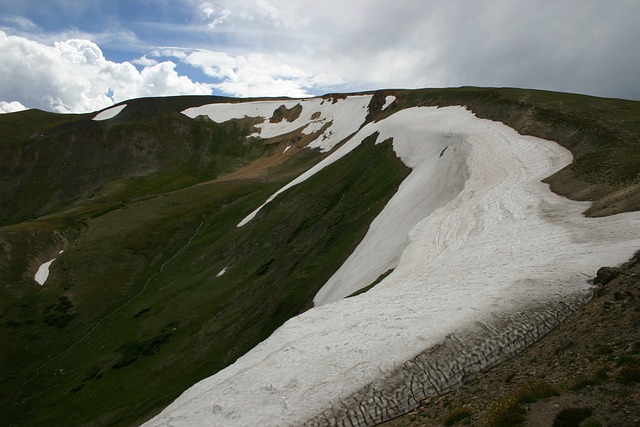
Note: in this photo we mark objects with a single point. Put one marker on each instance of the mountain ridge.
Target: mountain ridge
(480, 243)
(145, 195)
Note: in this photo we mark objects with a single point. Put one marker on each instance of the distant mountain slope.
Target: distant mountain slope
(158, 288)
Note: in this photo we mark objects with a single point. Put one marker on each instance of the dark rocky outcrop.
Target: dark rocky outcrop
(284, 113)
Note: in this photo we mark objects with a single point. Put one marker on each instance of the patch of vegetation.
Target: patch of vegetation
(629, 371)
(93, 373)
(571, 417)
(533, 392)
(141, 312)
(106, 210)
(509, 411)
(505, 413)
(22, 125)
(603, 349)
(375, 282)
(59, 315)
(510, 377)
(584, 383)
(134, 350)
(77, 388)
(264, 267)
(457, 415)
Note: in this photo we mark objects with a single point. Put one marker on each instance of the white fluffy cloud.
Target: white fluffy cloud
(11, 107)
(74, 76)
(252, 75)
(248, 75)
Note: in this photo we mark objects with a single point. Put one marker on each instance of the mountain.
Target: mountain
(165, 278)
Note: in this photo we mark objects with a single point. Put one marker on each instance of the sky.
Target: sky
(84, 55)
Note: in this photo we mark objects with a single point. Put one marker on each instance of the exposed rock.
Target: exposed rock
(282, 112)
(605, 275)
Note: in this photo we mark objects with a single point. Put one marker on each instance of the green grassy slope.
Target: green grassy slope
(134, 311)
(54, 162)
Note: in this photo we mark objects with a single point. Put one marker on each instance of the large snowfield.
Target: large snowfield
(474, 238)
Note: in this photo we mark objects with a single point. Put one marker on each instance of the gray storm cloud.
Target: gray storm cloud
(305, 47)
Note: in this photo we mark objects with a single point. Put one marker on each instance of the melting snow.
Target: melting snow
(488, 237)
(342, 117)
(43, 271)
(109, 113)
(388, 100)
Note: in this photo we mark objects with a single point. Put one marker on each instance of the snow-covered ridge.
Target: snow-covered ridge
(489, 261)
(335, 118)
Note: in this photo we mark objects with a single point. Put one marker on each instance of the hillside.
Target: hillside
(158, 287)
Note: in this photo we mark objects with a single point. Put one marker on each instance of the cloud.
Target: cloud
(585, 46)
(213, 14)
(11, 107)
(306, 47)
(247, 76)
(144, 61)
(236, 14)
(251, 75)
(261, 75)
(282, 16)
(19, 22)
(74, 76)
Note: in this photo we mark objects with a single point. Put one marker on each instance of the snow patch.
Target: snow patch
(388, 100)
(43, 271)
(331, 158)
(486, 245)
(224, 270)
(418, 139)
(342, 117)
(109, 113)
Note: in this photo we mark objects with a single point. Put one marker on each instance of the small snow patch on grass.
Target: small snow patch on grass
(388, 101)
(109, 113)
